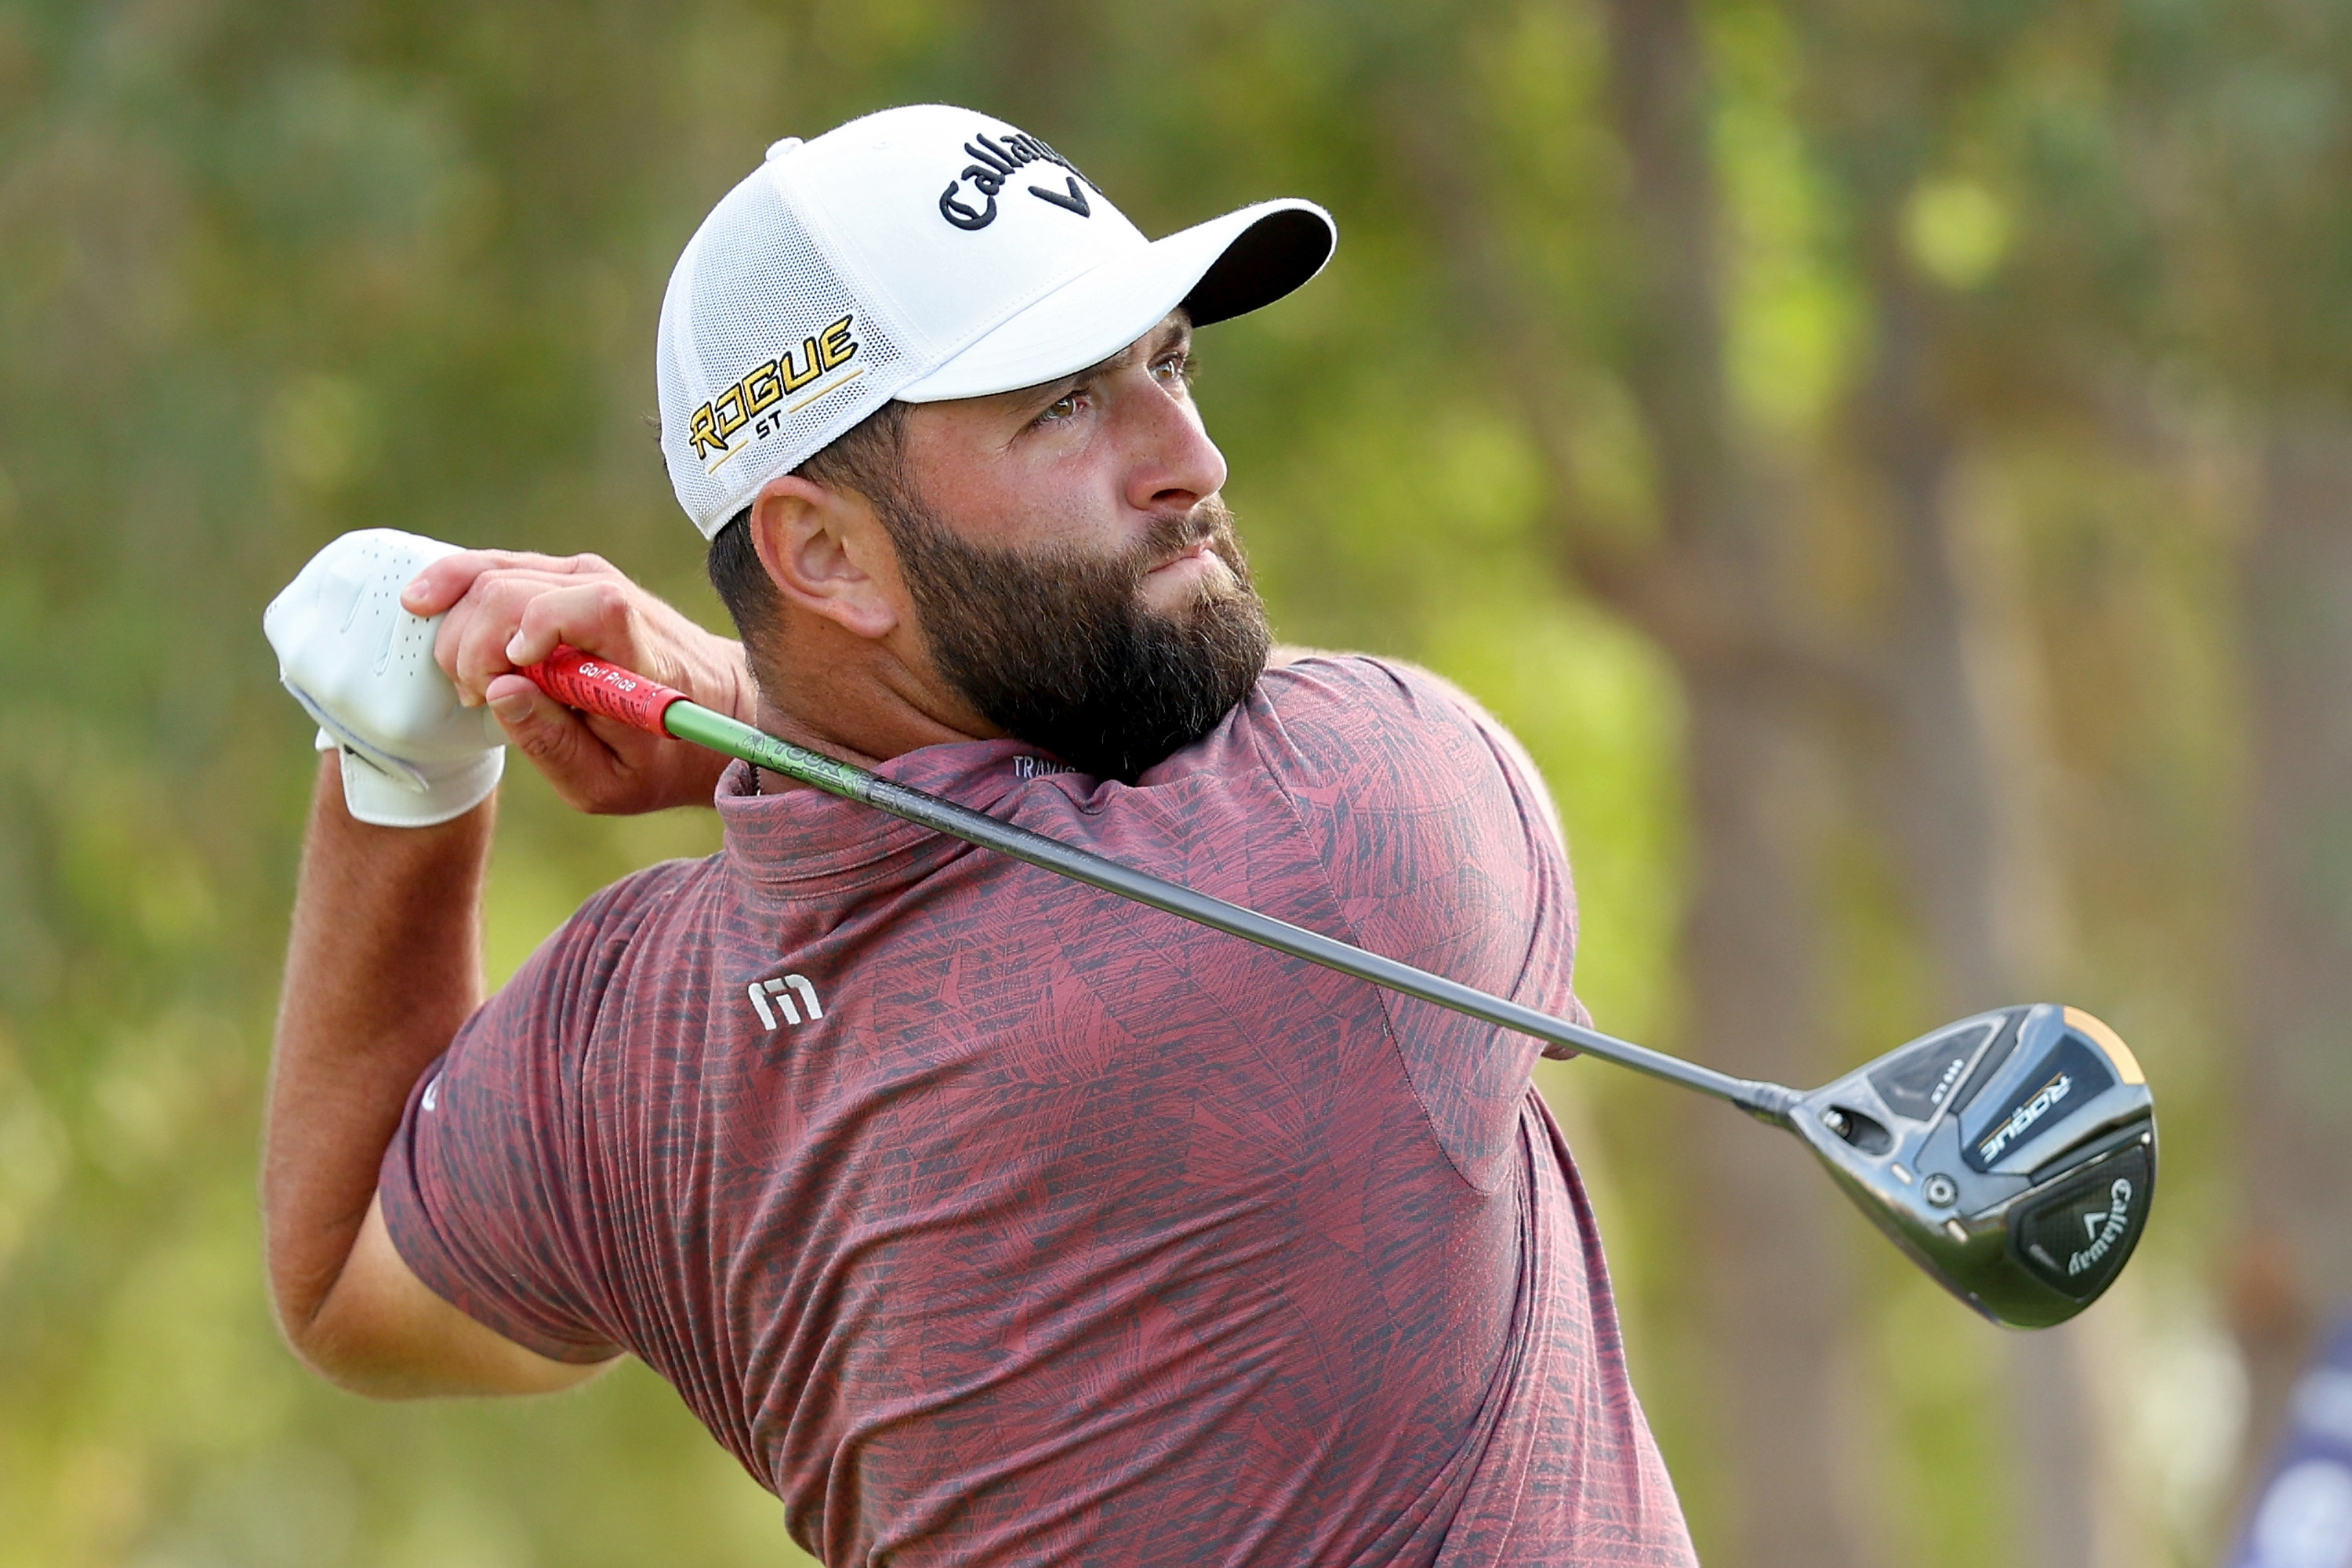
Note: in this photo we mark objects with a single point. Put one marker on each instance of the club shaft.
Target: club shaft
(690, 721)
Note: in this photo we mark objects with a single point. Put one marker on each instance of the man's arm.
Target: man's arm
(382, 968)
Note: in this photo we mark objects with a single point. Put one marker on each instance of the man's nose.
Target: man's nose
(1174, 465)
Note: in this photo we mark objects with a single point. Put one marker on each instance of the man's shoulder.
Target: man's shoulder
(1384, 729)
(1347, 710)
(1329, 674)
(617, 916)
(641, 893)
(1363, 691)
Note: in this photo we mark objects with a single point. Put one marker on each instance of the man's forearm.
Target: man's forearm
(383, 965)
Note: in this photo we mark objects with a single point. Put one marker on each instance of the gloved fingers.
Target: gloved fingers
(361, 665)
(319, 603)
(339, 629)
(380, 692)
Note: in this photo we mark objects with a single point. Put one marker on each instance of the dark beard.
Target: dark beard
(1055, 647)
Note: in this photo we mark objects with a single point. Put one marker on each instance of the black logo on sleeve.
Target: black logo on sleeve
(994, 165)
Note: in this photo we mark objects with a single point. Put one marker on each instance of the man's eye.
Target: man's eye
(1174, 369)
(1062, 408)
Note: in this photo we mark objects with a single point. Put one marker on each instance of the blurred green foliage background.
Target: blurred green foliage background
(1888, 459)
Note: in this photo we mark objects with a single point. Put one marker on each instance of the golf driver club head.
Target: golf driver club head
(2013, 1155)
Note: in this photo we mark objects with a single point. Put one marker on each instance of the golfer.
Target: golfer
(984, 1217)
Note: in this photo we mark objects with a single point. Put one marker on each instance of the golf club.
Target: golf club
(2011, 1154)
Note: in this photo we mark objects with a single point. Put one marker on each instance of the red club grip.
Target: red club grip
(577, 681)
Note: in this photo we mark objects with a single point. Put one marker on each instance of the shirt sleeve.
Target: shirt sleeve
(1443, 850)
(482, 1188)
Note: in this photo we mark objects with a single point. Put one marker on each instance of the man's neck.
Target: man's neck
(863, 721)
(858, 700)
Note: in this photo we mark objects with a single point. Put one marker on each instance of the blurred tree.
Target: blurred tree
(2242, 122)
(1705, 572)
(2293, 1258)
(1948, 745)
(1807, 309)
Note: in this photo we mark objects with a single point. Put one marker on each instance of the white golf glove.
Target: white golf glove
(363, 667)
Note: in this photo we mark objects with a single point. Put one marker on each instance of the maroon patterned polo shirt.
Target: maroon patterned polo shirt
(991, 1219)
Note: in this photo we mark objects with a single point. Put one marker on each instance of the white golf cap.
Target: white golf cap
(922, 253)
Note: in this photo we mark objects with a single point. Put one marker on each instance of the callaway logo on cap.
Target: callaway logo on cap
(923, 253)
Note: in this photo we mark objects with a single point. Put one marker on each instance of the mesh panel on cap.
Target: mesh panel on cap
(757, 371)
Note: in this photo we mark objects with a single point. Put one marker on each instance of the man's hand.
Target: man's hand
(412, 755)
(506, 609)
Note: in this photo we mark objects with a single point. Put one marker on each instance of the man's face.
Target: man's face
(1076, 577)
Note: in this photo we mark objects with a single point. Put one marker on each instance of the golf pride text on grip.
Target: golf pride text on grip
(578, 680)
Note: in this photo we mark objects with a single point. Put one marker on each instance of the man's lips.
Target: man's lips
(1197, 550)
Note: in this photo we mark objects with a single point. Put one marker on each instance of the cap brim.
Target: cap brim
(1225, 267)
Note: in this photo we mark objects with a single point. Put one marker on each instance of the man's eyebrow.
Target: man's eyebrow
(1167, 334)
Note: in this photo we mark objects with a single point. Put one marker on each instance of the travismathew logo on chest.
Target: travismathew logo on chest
(995, 162)
(781, 990)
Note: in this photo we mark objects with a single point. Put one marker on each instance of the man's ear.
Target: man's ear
(828, 553)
